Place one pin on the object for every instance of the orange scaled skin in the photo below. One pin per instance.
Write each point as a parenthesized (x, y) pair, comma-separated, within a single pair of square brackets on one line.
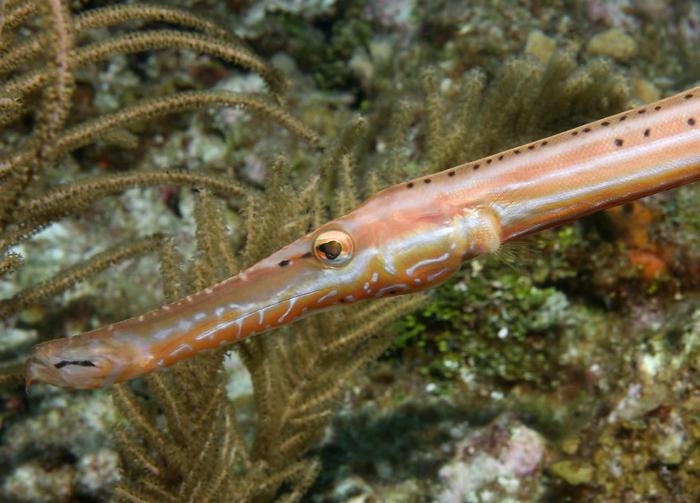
[(406, 238)]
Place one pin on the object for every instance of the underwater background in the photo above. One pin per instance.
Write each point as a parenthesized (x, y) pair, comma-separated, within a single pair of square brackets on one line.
[(565, 369)]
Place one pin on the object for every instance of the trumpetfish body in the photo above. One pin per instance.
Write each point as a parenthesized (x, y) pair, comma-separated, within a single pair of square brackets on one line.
[(408, 237)]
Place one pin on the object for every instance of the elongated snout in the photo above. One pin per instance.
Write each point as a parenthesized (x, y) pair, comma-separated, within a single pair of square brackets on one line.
[(357, 257)]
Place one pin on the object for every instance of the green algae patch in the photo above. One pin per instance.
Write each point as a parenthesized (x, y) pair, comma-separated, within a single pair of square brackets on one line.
[(493, 320), (573, 472)]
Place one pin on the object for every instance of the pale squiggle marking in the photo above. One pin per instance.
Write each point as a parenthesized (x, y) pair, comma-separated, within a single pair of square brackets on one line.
[(375, 276), (210, 332), (436, 274), (389, 265), (390, 287), (222, 326), (427, 261), (239, 324), (180, 348), (327, 296), (163, 334), (291, 305), (199, 316), (219, 311)]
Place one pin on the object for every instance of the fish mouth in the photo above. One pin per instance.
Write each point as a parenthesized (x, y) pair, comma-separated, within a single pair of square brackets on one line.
[(59, 371), (38, 369), (79, 363)]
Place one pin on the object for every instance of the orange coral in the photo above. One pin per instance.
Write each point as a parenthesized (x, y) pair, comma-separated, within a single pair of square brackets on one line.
[(632, 223)]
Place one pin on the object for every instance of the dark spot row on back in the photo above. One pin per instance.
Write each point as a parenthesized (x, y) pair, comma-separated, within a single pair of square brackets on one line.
[(621, 119), (410, 185), (618, 141)]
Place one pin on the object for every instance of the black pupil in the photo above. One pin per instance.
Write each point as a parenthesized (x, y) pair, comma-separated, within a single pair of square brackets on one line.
[(331, 249)]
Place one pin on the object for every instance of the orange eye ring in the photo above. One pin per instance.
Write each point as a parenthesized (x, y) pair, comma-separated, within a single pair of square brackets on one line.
[(334, 248)]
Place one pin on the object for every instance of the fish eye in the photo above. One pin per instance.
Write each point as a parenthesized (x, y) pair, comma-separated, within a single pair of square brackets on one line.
[(333, 247)]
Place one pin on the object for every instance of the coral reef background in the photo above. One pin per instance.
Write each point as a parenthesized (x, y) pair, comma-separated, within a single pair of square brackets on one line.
[(566, 369)]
